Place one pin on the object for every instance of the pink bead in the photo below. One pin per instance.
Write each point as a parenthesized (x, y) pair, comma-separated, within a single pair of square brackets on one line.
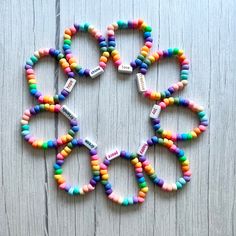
[(145, 163), (139, 170), (118, 62), (135, 24), (27, 113), (110, 33), (103, 166), (164, 186), (62, 186), (67, 70), (24, 117), (69, 56), (140, 199), (85, 188), (174, 137), (59, 141), (57, 108), (46, 51), (168, 188), (185, 62), (162, 105), (111, 196), (98, 35), (94, 157), (102, 64), (147, 93), (60, 157), (29, 71), (173, 148), (191, 104), (73, 30), (90, 187), (188, 173), (181, 86), (202, 128), (31, 140), (176, 87), (148, 44), (160, 52), (41, 52), (40, 99)]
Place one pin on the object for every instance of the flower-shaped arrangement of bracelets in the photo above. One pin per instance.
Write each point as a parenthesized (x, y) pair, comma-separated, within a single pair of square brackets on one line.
[(162, 99)]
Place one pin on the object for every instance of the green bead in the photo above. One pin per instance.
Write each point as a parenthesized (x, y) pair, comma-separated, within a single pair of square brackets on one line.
[(176, 101), (71, 132), (45, 145), (70, 145), (96, 172), (142, 185), (148, 62), (160, 131), (148, 28), (56, 98), (76, 191), (153, 176), (103, 49), (133, 155), (183, 158), (78, 68), (175, 51), (42, 107), (33, 86), (110, 49), (104, 182), (189, 136), (141, 57), (25, 127), (163, 95), (67, 41), (60, 56), (34, 59), (58, 171)]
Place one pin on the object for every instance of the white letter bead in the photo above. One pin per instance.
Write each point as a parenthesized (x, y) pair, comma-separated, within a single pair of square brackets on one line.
[(156, 109), (125, 68), (96, 72), (113, 155), (70, 83), (142, 149), (89, 144), (141, 83), (67, 113)]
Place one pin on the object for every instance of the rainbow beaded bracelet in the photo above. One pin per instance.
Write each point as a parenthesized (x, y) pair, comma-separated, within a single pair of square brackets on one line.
[(31, 77), (135, 24), (149, 170), (44, 144), (69, 33), (178, 101), (142, 185), (60, 160), (155, 57)]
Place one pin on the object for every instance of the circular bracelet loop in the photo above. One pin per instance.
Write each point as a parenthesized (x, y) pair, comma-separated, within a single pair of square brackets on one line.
[(135, 24), (31, 77), (149, 170), (184, 73), (178, 101), (86, 27), (39, 143), (60, 179), (143, 189)]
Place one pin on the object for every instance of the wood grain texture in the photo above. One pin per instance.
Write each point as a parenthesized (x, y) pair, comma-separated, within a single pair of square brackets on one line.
[(113, 114)]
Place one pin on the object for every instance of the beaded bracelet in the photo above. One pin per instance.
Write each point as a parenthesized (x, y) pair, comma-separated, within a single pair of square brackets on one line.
[(142, 185), (135, 24), (184, 70), (184, 103), (60, 159), (39, 143), (149, 170), (69, 33), (31, 78)]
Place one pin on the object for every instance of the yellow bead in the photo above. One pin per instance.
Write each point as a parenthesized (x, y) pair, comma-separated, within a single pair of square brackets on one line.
[(67, 149), (152, 59), (145, 189), (171, 100), (114, 52), (105, 177), (144, 53), (95, 162), (106, 54), (73, 65), (134, 161), (67, 36)]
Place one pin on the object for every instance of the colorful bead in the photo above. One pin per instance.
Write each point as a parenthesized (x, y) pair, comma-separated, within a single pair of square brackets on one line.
[(184, 72), (135, 24), (60, 160), (52, 143), (86, 27), (31, 76), (178, 101), (142, 185)]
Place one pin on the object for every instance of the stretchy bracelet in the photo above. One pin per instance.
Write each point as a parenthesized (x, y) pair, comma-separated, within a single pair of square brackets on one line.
[(95, 166), (69, 33), (142, 185), (184, 103), (39, 143), (135, 24), (184, 72), (149, 170), (31, 78)]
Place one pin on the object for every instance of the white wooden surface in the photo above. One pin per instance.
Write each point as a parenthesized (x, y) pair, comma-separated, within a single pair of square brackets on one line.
[(113, 114)]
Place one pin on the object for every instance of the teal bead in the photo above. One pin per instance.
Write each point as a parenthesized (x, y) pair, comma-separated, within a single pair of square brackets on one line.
[(71, 191), (86, 26), (25, 132), (141, 57), (29, 62), (25, 127), (120, 23), (153, 176), (71, 132), (125, 202), (184, 76), (184, 72), (130, 200), (34, 59), (110, 49), (201, 114), (182, 181), (76, 191), (179, 185)]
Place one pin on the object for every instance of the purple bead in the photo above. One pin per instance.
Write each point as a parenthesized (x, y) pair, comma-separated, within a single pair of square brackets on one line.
[(135, 199), (143, 71), (101, 39), (130, 24), (93, 182), (122, 153), (73, 122), (187, 178), (185, 67), (27, 137), (205, 123), (109, 191), (111, 38), (60, 162), (149, 142), (160, 182), (51, 51), (71, 74), (54, 143), (64, 93), (76, 26), (165, 53), (171, 90), (149, 39), (106, 162), (67, 187), (80, 142), (139, 175), (142, 158), (32, 111), (28, 67), (93, 152), (156, 121), (86, 72), (179, 137), (68, 51), (38, 94), (133, 64)]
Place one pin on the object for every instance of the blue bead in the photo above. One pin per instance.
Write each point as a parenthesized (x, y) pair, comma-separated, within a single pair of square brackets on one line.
[(111, 44), (74, 142), (102, 44), (155, 139), (180, 153), (66, 46), (170, 52), (50, 144), (167, 93), (138, 62), (156, 127), (37, 108), (108, 186), (146, 35), (33, 91), (96, 178), (56, 166), (142, 179), (75, 128), (61, 97), (144, 65)]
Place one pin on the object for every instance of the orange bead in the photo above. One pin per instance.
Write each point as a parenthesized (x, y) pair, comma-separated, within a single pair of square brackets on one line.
[(145, 48), (116, 57), (185, 168), (67, 31), (103, 59)]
